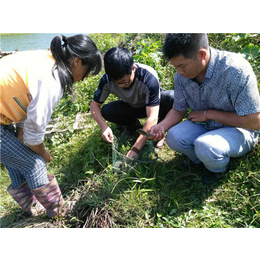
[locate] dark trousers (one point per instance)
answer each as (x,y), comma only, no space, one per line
(121,113)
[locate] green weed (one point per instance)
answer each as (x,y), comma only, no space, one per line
(158,194)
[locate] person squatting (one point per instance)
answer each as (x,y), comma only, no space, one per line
(219,88)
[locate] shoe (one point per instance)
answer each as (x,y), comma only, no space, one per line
(211,177)
(26,200)
(51,198)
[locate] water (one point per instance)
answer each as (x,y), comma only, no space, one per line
(27,41)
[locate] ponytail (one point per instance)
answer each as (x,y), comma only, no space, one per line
(60,54)
(65,48)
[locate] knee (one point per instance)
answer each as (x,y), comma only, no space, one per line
(105,111)
(37,176)
(168,94)
(167,98)
(38,164)
(213,152)
(208,146)
(175,140)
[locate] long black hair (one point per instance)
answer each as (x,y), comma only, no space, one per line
(65,48)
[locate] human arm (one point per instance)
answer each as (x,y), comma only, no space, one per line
(251,121)
(107,133)
(240,106)
(172,118)
(152,117)
(46,93)
(40,150)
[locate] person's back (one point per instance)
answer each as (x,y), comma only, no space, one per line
(21,75)
(32,84)
(25,63)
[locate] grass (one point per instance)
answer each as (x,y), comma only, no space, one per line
(158,194)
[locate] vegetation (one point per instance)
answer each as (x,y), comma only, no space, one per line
(155,192)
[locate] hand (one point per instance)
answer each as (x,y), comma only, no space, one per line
(19,134)
(158,132)
(107,135)
(47,157)
(198,116)
(40,150)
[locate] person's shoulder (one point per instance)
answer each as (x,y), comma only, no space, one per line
(24,58)
(233,67)
(146,69)
(232,59)
(145,73)
(104,80)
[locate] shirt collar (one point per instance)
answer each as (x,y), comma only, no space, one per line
(212,62)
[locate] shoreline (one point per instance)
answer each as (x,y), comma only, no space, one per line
(5,53)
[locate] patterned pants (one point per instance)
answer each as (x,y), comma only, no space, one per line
(20,161)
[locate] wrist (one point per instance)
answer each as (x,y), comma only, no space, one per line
(136,150)
(205,114)
(103,127)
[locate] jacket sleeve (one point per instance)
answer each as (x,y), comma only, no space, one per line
(46,94)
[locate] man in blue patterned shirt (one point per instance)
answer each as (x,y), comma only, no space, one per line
(220,89)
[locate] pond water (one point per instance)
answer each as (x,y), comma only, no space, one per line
(27,41)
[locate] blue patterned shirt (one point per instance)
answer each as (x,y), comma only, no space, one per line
(229,85)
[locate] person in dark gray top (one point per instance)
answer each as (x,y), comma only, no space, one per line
(140,96)
(221,90)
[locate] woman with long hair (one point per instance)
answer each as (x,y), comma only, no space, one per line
(31,85)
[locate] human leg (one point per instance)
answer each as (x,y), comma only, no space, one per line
(26,200)
(215,147)
(121,113)
(167,99)
(17,179)
(181,138)
(23,164)
(51,198)
(12,155)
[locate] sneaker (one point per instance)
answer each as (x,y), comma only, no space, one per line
(211,177)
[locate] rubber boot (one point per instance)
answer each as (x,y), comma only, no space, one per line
(26,200)
(51,198)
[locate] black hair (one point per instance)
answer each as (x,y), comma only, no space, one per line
(80,46)
(186,44)
(118,62)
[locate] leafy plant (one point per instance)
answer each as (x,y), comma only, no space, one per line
(159,194)
(247,44)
